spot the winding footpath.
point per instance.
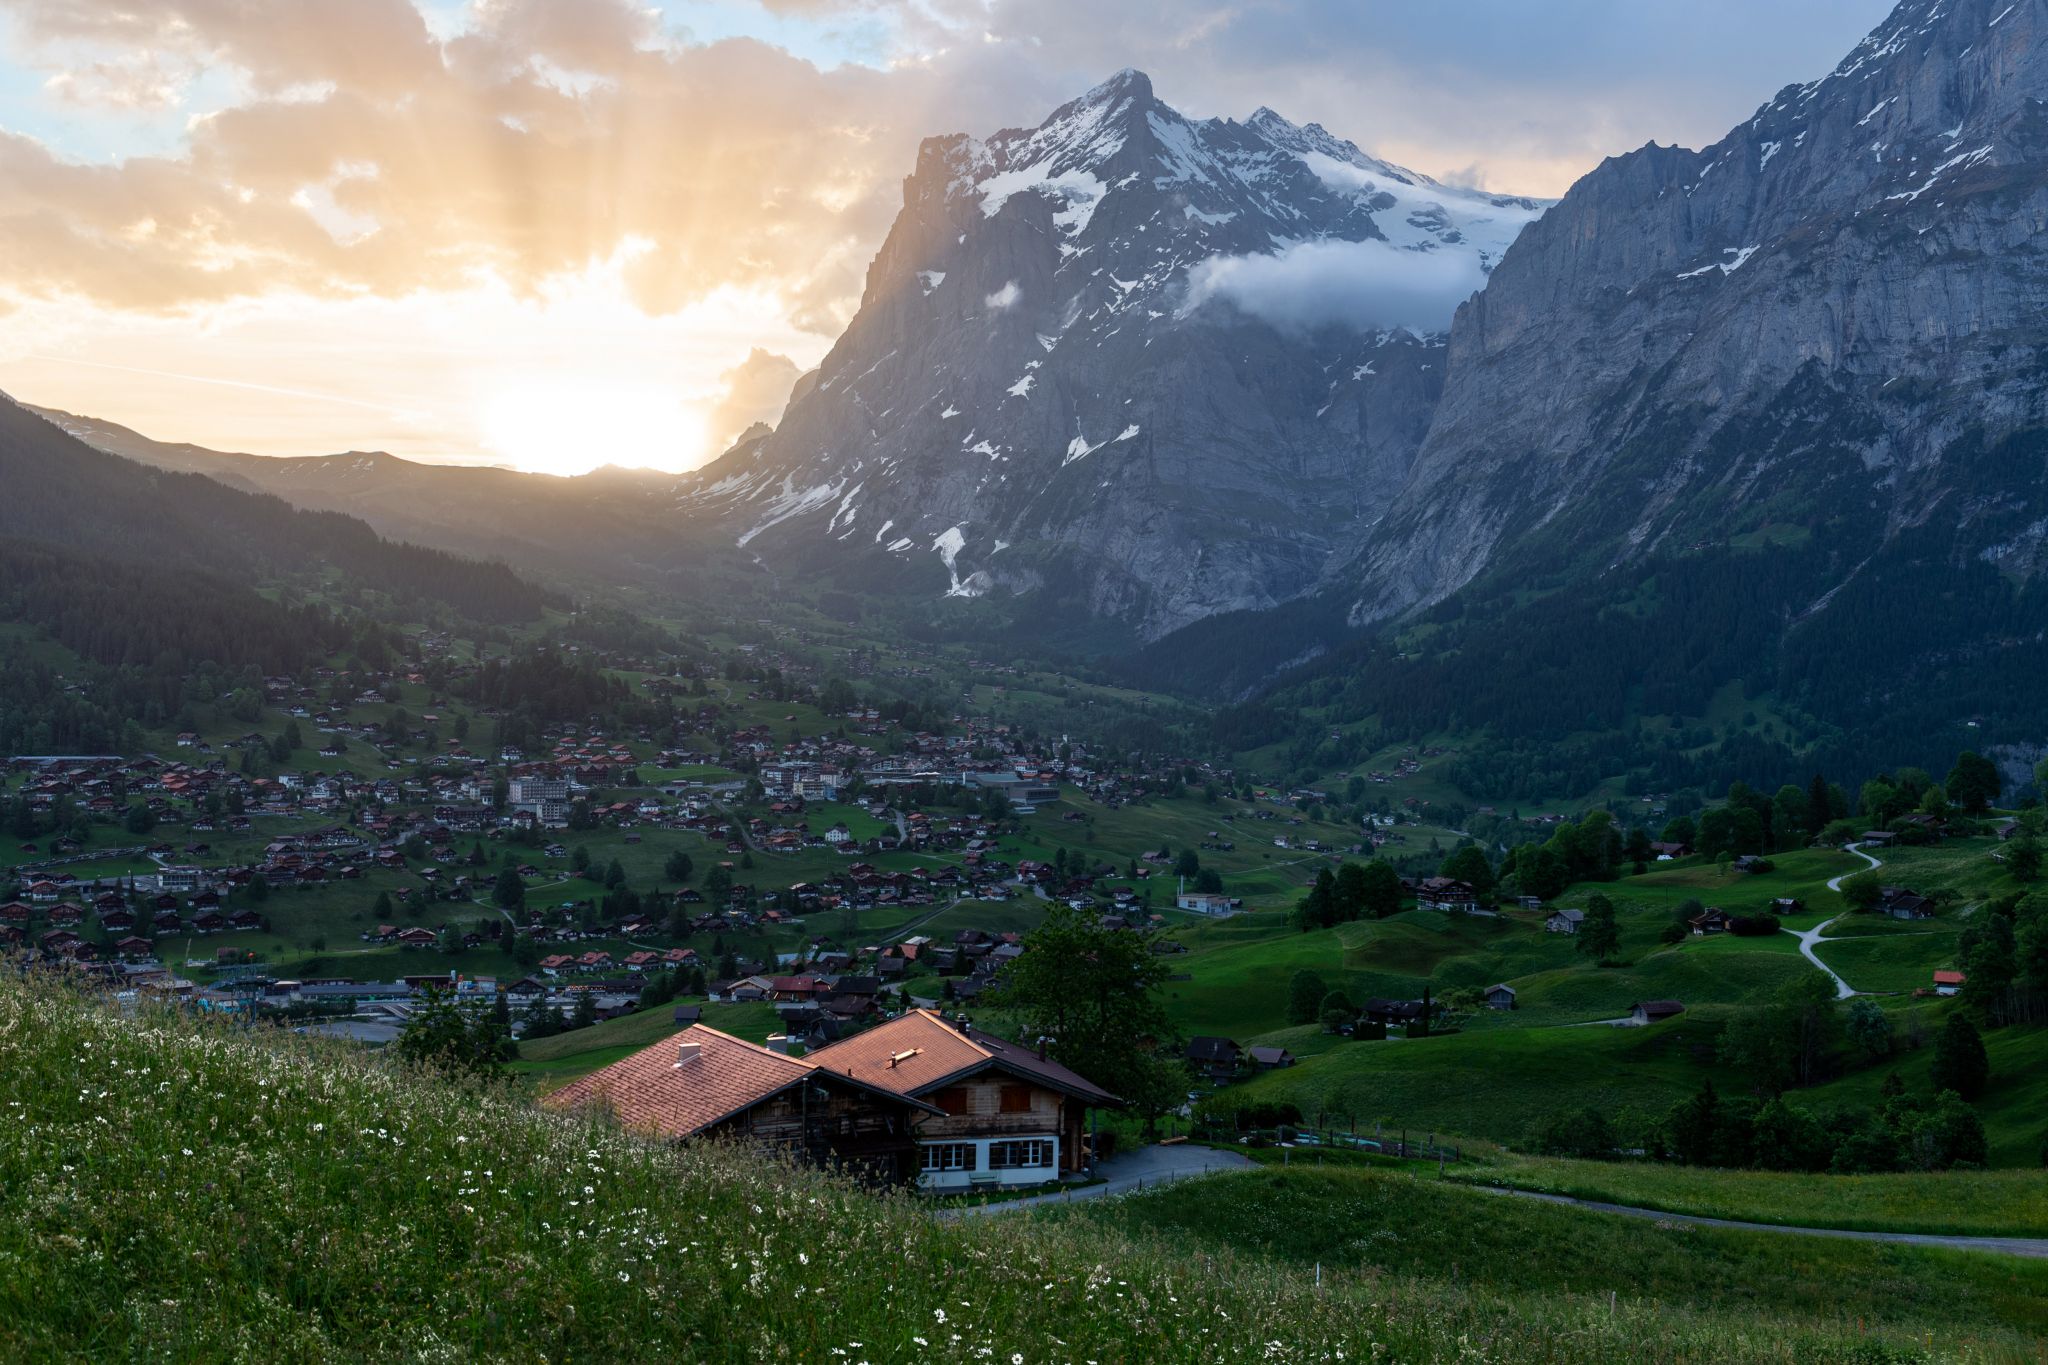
(2005, 1246)
(1817, 935)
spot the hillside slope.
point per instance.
(612, 524)
(1850, 283)
(64, 493)
(170, 1188)
(1766, 420)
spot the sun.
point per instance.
(553, 425)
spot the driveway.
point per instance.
(1818, 934)
(1130, 1171)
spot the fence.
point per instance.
(1314, 1137)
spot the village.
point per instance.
(759, 870)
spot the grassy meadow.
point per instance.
(2008, 1203)
(174, 1188)
(1380, 1222)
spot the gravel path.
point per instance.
(2008, 1246)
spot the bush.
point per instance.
(1584, 1133)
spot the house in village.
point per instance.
(1712, 920)
(1564, 921)
(1402, 1013)
(1900, 903)
(1446, 894)
(1270, 1058)
(1216, 1058)
(703, 1083)
(1008, 1115)
(1949, 982)
(1501, 997)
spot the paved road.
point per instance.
(1135, 1170)
(2009, 1246)
(1816, 935)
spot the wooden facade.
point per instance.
(833, 1125)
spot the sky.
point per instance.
(557, 234)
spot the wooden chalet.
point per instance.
(703, 1083)
(1007, 1115)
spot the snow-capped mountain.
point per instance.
(1151, 367)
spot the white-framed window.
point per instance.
(949, 1156)
(1022, 1154)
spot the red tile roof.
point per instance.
(921, 1051)
(651, 1092)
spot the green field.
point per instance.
(2010, 1203)
(568, 1055)
(1891, 963)
(1384, 1222)
(1494, 1084)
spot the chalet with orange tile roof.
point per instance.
(1008, 1115)
(705, 1083)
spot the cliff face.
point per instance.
(1036, 396)
(1832, 310)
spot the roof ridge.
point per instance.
(964, 1034)
(801, 1063)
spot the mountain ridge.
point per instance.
(1030, 397)
(1838, 227)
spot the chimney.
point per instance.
(687, 1053)
(1041, 1047)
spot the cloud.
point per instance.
(1360, 285)
(579, 35)
(756, 390)
(539, 136)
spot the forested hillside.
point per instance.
(63, 492)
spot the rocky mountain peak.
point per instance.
(1866, 245)
(1055, 388)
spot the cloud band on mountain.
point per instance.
(1362, 285)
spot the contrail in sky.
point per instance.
(232, 384)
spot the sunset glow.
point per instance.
(556, 426)
(563, 233)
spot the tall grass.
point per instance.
(179, 1190)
